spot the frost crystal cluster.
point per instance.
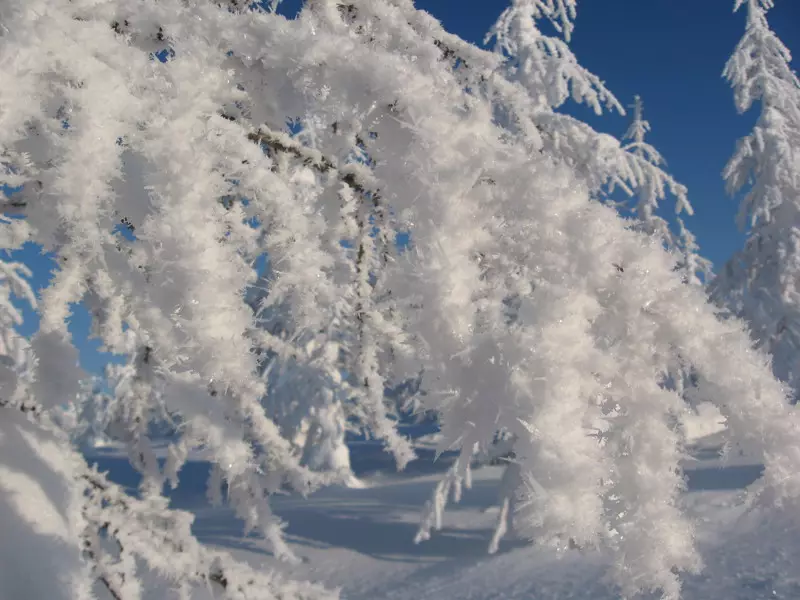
(165, 150)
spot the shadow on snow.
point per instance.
(379, 521)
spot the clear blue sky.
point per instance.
(671, 52)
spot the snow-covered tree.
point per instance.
(694, 268)
(530, 308)
(550, 74)
(761, 282)
(539, 74)
(647, 192)
(325, 383)
(87, 417)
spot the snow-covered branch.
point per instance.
(227, 137)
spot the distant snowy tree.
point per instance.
(647, 191)
(691, 264)
(305, 392)
(694, 268)
(540, 74)
(761, 282)
(159, 148)
(90, 420)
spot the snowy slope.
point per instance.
(362, 539)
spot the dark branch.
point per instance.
(310, 158)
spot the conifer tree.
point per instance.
(761, 282)
(691, 264)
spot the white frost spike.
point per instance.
(163, 188)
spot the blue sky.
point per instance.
(671, 52)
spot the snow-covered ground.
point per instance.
(361, 540)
